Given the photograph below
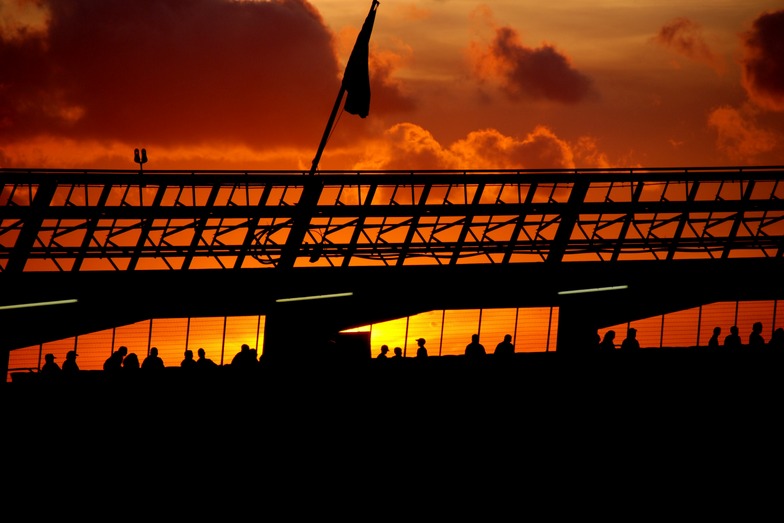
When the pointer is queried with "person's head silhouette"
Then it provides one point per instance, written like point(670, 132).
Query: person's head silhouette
point(131, 361)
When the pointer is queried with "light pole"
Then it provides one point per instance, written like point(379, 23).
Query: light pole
point(141, 160)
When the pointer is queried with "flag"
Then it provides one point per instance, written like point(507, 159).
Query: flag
point(356, 78)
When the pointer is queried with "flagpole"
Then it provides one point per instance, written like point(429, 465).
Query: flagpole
point(335, 108)
point(327, 130)
point(358, 89)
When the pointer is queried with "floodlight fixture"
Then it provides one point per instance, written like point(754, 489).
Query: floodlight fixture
point(36, 304)
point(594, 289)
point(315, 297)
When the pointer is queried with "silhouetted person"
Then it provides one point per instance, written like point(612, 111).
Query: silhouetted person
point(70, 367)
point(777, 339)
point(188, 363)
point(50, 369)
point(382, 355)
point(398, 354)
point(245, 362)
point(732, 340)
point(756, 341)
point(114, 362)
point(475, 349)
point(630, 342)
point(203, 362)
point(505, 348)
point(713, 342)
point(244, 358)
point(595, 341)
point(421, 351)
point(152, 362)
point(608, 342)
point(131, 362)
point(131, 367)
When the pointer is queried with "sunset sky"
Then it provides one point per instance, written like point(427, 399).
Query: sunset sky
point(456, 84)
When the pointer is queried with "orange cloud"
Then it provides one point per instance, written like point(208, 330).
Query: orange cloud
point(540, 148)
point(408, 146)
point(525, 72)
point(22, 19)
point(738, 136)
point(387, 93)
point(684, 37)
point(763, 61)
point(405, 146)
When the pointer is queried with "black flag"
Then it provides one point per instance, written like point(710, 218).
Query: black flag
point(356, 78)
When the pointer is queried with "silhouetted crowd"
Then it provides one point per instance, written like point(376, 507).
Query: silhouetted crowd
point(731, 341)
point(122, 363)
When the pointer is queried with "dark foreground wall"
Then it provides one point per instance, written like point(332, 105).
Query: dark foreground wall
point(368, 388)
point(636, 435)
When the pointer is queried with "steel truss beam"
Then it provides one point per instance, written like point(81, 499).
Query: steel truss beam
point(62, 220)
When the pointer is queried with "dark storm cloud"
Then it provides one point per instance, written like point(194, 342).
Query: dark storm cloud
point(172, 71)
point(763, 63)
point(540, 73)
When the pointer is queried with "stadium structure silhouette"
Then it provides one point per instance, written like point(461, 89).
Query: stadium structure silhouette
point(84, 251)
point(129, 246)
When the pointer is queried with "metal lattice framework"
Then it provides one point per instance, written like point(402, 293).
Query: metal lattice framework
point(68, 220)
